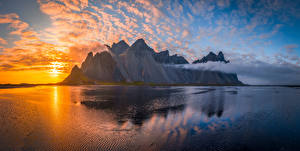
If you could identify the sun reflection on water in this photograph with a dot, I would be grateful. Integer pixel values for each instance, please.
(55, 100)
(52, 116)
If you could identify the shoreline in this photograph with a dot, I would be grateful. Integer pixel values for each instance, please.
(25, 85)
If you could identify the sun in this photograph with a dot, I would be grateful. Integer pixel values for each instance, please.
(54, 71)
(55, 68)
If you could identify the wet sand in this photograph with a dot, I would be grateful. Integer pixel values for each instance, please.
(149, 118)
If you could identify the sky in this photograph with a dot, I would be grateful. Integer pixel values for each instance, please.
(41, 40)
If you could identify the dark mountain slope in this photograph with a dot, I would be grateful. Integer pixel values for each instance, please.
(212, 57)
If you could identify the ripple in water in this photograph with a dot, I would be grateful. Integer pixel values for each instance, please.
(149, 118)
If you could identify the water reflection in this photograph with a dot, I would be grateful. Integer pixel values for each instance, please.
(214, 105)
(136, 104)
(55, 100)
(149, 118)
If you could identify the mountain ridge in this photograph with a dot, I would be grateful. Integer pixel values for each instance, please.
(140, 63)
(165, 58)
(212, 57)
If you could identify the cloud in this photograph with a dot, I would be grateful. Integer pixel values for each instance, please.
(79, 52)
(131, 9)
(291, 48)
(8, 18)
(256, 72)
(84, 3)
(185, 33)
(14, 23)
(223, 3)
(6, 66)
(184, 27)
(3, 41)
(29, 52)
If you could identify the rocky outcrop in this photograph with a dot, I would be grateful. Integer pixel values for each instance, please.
(192, 76)
(120, 47)
(140, 48)
(140, 63)
(212, 57)
(77, 77)
(102, 67)
(165, 58)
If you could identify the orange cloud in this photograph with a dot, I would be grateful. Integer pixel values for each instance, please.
(79, 52)
(8, 18)
(185, 33)
(14, 23)
(131, 8)
(75, 30)
(3, 41)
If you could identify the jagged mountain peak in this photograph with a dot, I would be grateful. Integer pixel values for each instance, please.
(165, 53)
(212, 57)
(121, 42)
(141, 40)
(139, 63)
(212, 53)
(221, 57)
(103, 53)
(140, 46)
(75, 68)
(140, 43)
(120, 47)
(165, 58)
(89, 57)
(77, 77)
(90, 54)
(101, 67)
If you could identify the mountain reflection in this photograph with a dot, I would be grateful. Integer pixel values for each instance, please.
(136, 104)
(211, 103)
(149, 118)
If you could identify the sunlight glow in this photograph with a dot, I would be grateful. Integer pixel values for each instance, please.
(55, 102)
(55, 68)
(55, 96)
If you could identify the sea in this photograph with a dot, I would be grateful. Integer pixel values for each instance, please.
(204, 118)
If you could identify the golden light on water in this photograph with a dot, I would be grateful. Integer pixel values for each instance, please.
(55, 101)
(55, 97)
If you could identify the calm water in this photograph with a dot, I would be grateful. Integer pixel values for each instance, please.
(149, 118)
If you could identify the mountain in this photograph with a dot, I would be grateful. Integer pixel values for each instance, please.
(77, 77)
(120, 47)
(206, 77)
(101, 67)
(212, 57)
(162, 57)
(137, 60)
(140, 63)
(165, 58)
